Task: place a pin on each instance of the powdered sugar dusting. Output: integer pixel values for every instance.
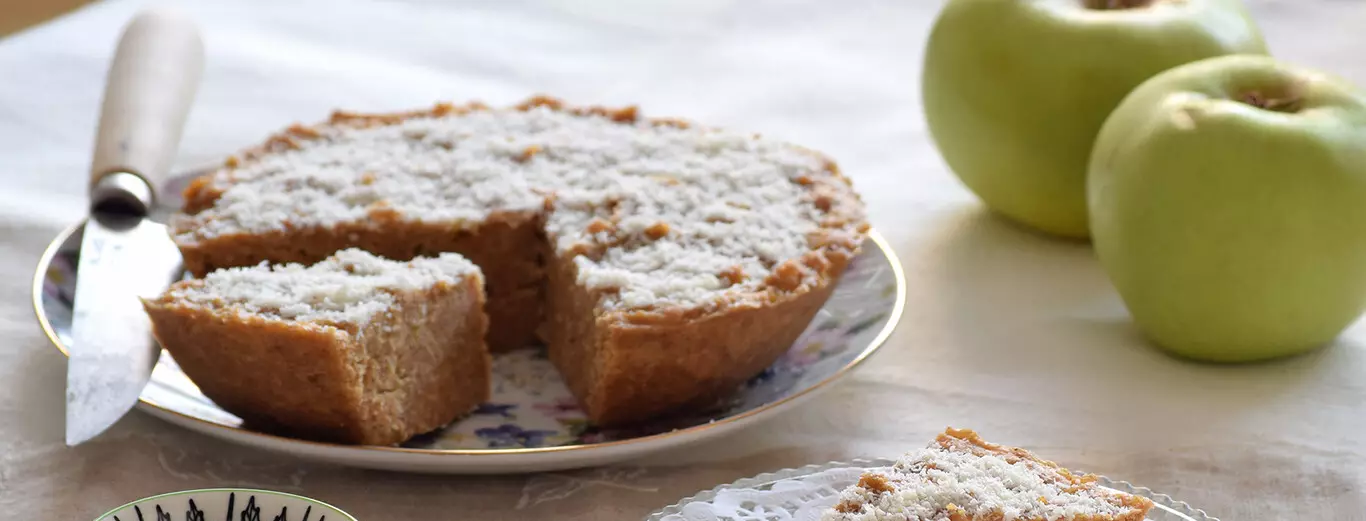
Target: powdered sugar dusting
(350, 287)
(658, 212)
(924, 483)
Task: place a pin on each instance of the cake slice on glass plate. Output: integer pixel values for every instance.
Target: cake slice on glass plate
(961, 477)
(353, 349)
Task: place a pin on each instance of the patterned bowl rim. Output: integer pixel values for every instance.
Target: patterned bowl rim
(259, 492)
(40, 275)
(1162, 501)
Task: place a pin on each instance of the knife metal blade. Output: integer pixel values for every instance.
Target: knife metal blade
(123, 257)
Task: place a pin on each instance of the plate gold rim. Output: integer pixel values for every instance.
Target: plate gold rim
(40, 275)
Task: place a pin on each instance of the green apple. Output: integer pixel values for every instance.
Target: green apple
(1014, 91)
(1228, 205)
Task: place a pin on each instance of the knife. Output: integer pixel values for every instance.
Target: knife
(124, 254)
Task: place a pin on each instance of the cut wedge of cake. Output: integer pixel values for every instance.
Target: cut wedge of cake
(663, 263)
(961, 477)
(353, 349)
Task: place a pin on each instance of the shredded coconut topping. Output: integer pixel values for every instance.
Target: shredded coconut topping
(351, 287)
(655, 214)
(930, 484)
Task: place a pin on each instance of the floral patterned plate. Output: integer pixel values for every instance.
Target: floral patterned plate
(532, 423)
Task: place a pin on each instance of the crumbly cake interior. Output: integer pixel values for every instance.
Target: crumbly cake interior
(350, 288)
(657, 215)
(353, 349)
(960, 477)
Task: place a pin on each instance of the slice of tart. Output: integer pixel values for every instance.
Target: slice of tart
(353, 349)
(961, 477)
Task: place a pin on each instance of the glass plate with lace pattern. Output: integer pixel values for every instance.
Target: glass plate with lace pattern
(803, 494)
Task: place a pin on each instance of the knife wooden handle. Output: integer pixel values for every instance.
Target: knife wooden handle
(151, 84)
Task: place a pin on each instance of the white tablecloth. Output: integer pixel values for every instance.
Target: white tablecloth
(1016, 335)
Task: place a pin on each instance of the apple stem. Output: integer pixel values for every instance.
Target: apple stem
(1115, 5)
(1286, 104)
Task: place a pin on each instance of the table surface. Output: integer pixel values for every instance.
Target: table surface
(17, 15)
(1016, 335)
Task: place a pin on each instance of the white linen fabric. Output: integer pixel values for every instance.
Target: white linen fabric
(1016, 335)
